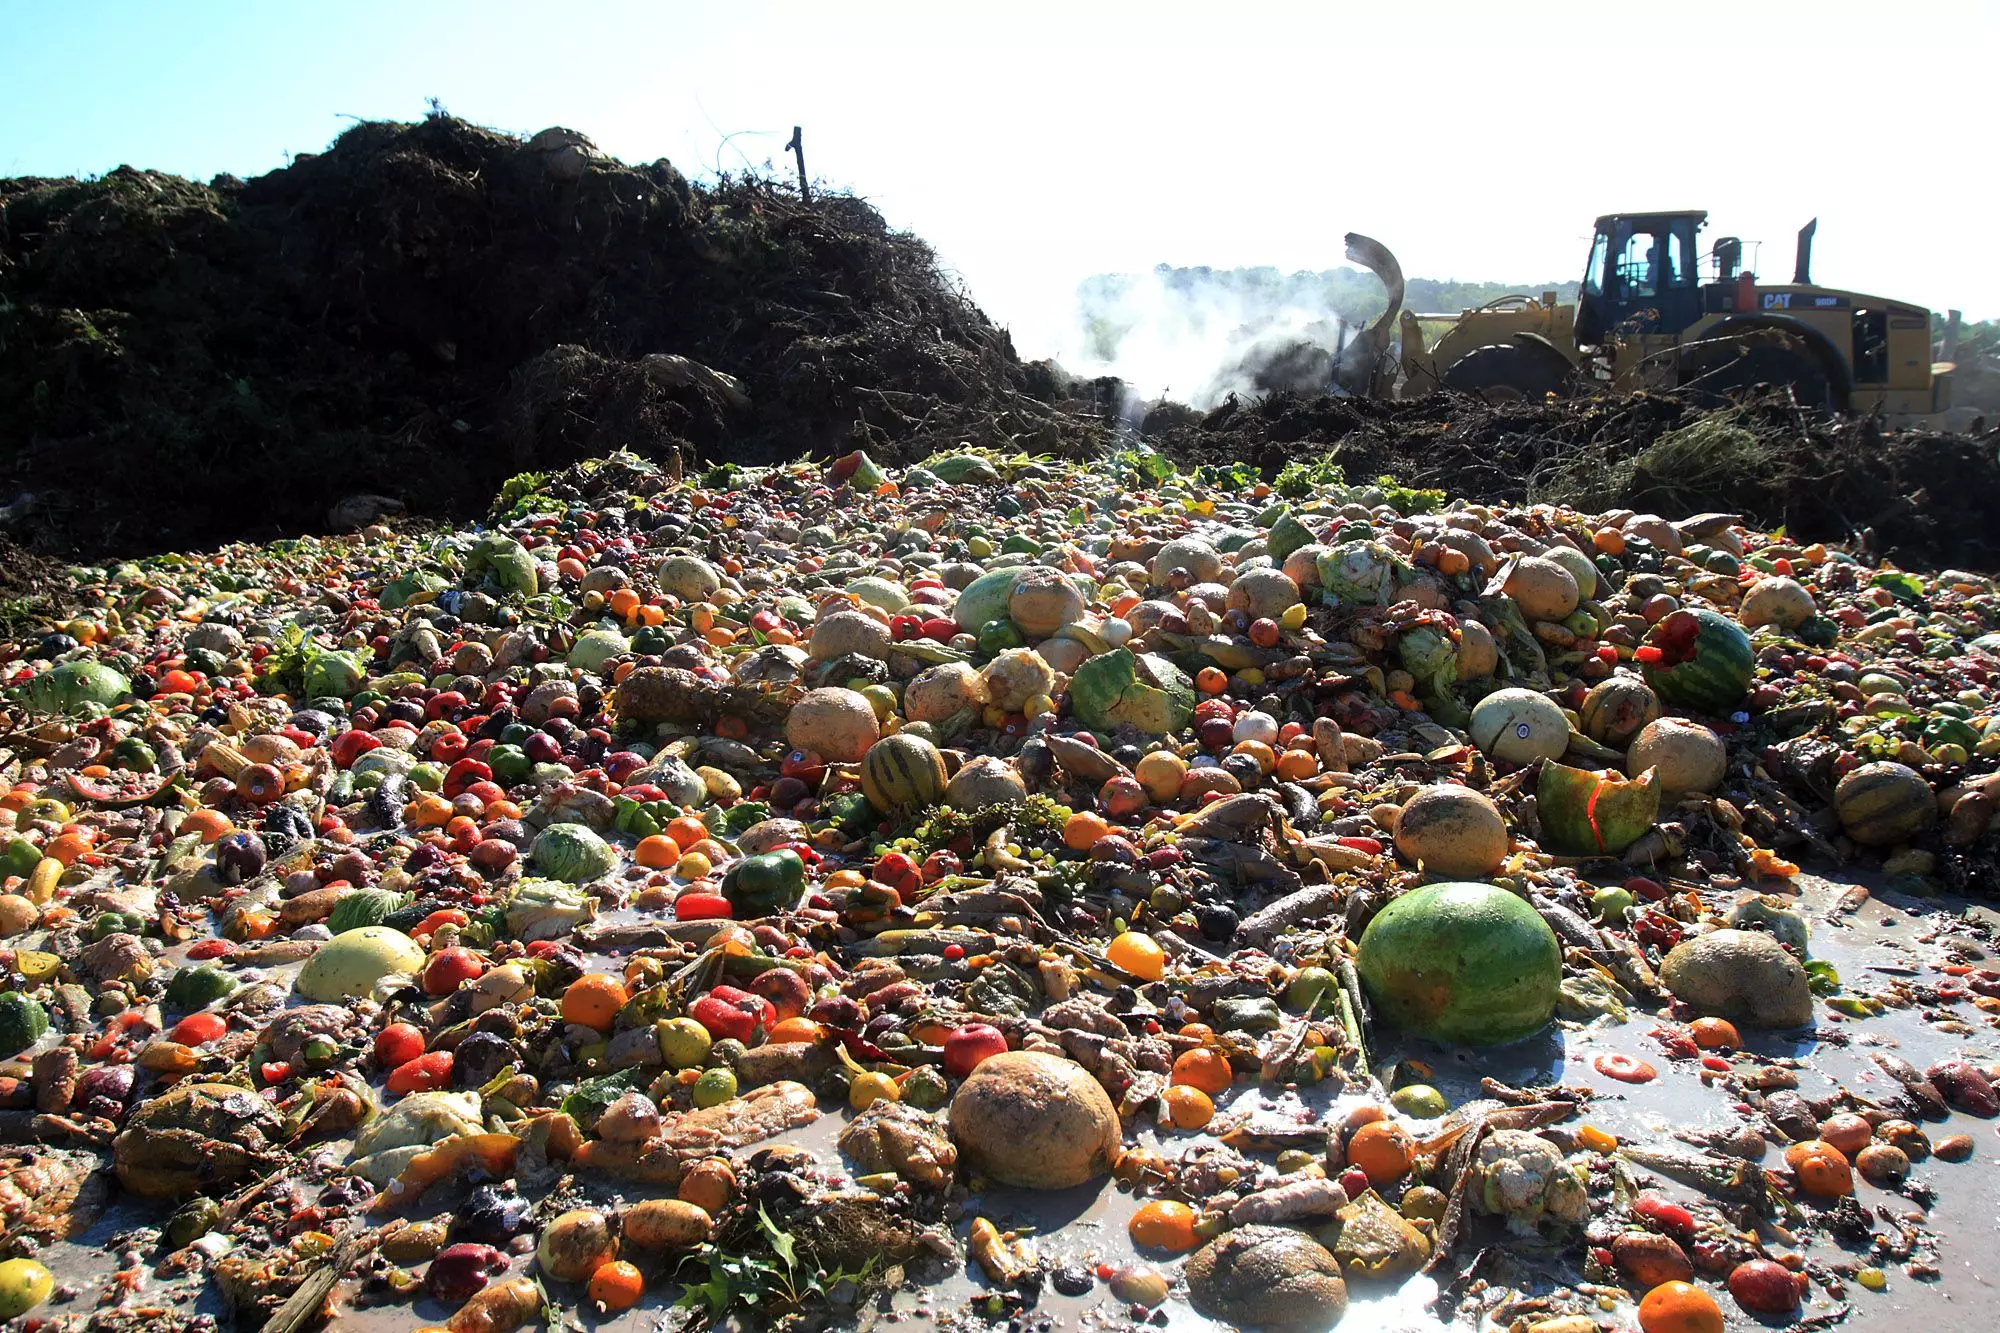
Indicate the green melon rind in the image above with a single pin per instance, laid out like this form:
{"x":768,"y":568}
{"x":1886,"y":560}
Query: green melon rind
{"x":1717,"y":677}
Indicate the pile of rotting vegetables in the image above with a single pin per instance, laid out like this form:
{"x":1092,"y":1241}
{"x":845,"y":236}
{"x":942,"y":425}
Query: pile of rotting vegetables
{"x":746,"y":893}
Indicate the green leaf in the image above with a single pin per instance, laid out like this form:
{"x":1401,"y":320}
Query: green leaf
{"x":781,"y":1240}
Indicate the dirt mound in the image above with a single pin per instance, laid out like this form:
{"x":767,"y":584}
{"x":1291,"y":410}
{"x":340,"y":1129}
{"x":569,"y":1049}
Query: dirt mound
{"x":1915,"y":496}
{"x":424,"y":309}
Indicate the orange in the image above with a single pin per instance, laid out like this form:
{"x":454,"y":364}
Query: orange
{"x":1848,"y":1133}
{"x":1382,"y":1149}
{"x":1163,"y":1224}
{"x":1204,"y":1069}
{"x":794,"y":1029}
{"x":1189,"y":1107}
{"x":1297,"y":765}
{"x":1822,"y":1169}
{"x":593,"y":1000}
{"x":1714,"y":1033}
{"x":1211,"y":680}
{"x":707,"y":1184}
{"x":617,"y":1285}
{"x":210,"y":824}
{"x":1139,"y":954}
{"x":1198,"y":1031}
{"x":1679,"y":1307}
{"x":686,"y":830}
{"x":623,"y":603}
{"x":657,"y":852}
{"x":67,"y":846}
{"x":1084,"y":830}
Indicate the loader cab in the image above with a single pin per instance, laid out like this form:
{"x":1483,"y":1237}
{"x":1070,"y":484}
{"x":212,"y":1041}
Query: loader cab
{"x":1641,"y":277}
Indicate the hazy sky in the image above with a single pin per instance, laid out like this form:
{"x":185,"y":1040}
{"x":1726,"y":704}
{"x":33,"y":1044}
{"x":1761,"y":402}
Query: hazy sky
{"x":1036,"y":144}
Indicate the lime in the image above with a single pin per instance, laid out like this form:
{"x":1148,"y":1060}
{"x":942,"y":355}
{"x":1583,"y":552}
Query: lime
{"x":714,"y":1087}
{"x":24,"y":1284}
{"x":1419,"y":1100}
{"x":684,"y":1043}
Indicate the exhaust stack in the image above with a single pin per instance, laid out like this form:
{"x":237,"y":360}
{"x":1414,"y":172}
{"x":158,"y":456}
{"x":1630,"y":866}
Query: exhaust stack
{"x":1802,"y":271}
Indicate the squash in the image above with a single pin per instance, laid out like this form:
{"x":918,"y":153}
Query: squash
{"x":837,"y":724}
{"x":1882,"y":804}
{"x":572,"y":853}
{"x":902,"y":773}
{"x":1617,"y":709}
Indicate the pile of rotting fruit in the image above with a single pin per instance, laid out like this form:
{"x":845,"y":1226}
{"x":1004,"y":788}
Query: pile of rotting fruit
{"x":751,"y":893}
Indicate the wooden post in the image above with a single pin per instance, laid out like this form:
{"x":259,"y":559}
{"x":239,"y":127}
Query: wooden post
{"x":797,"y":147}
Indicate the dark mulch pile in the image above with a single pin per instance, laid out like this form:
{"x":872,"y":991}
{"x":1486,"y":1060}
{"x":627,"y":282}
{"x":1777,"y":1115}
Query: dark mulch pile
{"x":424,"y":310}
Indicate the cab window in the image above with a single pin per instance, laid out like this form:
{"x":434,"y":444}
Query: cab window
{"x":1593,"y":272}
{"x":1679,"y":271}
{"x":1638,"y":266}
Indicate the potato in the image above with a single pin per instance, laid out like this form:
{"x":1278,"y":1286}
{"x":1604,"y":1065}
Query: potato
{"x":666,"y":1224}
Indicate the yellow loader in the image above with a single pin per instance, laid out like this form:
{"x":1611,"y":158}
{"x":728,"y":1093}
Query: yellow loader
{"x":1654,"y":312}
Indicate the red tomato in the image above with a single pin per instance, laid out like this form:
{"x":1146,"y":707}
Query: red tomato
{"x":728,"y":1012}
{"x":349,"y":746}
{"x":451,"y":968}
{"x":398,"y":1044}
{"x":206,"y":949}
{"x":426,"y":1073}
{"x":199,"y":1029}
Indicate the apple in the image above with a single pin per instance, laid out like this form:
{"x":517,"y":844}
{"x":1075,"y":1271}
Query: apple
{"x":969,"y":1044}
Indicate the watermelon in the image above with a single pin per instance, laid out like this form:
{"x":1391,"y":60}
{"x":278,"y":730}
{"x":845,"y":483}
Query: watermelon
{"x":902,"y":772}
{"x":1884,"y":803}
{"x":1698,"y":660}
{"x":1143,"y":690}
{"x":984,"y":599}
{"x":1462,"y":962}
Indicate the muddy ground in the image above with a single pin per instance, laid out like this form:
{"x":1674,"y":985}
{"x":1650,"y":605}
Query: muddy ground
{"x":424,"y":310}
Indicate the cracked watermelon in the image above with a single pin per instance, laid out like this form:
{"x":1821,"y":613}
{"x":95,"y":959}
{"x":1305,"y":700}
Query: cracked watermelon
{"x":1698,"y":660}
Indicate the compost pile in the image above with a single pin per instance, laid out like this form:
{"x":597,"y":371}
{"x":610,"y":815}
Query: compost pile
{"x":422,"y":311}
{"x":735,"y":889}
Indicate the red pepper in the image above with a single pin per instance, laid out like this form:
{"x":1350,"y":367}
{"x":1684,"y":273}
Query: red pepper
{"x":728,"y":1012}
{"x":463,"y":773}
{"x":1372,"y":846}
{"x":702,"y":907}
{"x":274,"y":1071}
{"x":349,"y":746}
{"x":204,"y":950}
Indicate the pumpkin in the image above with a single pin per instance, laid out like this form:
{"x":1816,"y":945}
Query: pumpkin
{"x":1882,"y":804}
{"x":1687,"y":755}
{"x":1520,"y":726}
{"x":984,"y":782}
{"x":1777,"y":601}
{"x":1452,"y":831}
{"x":845,"y":633}
{"x":1617,"y":709}
{"x":1263,"y":594}
{"x":1700,"y":661}
{"x":1543,"y":588}
{"x":902,"y":773}
{"x":836,"y":724}
{"x":935,"y":694}
{"x":1043,"y":600}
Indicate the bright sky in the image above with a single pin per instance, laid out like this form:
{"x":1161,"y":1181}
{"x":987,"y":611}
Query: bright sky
{"x":1035,"y":144}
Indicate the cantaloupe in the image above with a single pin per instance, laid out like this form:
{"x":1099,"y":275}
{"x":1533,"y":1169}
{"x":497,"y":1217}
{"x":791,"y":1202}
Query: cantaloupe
{"x":1035,"y":1121}
{"x":1689,"y":757}
{"x":1043,"y":601}
{"x":1617,"y":709}
{"x":1452,"y":831}
{"x":1520,"y":726}
{"x":837,"y":724}
{"x":1543,"y":588}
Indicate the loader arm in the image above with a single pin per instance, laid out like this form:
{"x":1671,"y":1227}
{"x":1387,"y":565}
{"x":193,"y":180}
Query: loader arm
{"x":1364,"y":367}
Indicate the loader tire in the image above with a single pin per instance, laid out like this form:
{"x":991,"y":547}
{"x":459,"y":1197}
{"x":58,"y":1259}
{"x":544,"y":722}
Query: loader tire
{"x":1503,"y":373}
{"x":1733,"y":370}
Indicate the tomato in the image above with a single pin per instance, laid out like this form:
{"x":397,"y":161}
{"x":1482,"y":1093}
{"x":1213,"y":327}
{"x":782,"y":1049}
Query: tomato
{"x":450,"y":968}
{"x":199,"y":1029}
{"x":728,"y":1012}
{"x":426,"y":1073}
{"x":204,"y":950}
{"x":398,"y":1044}
{"x":702,"y":907}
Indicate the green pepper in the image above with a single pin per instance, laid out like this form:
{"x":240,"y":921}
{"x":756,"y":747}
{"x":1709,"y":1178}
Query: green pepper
{"x":850,"y":812}
{"x":637,"y":819}
{"x":510,"y":764}
{"x":197,"y":987}
{"x":515,"y":733}
{"x":998,"y":635}
{"x":134,"y":755}
{"x":760,"y":885}
{"x":652,"y":640}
